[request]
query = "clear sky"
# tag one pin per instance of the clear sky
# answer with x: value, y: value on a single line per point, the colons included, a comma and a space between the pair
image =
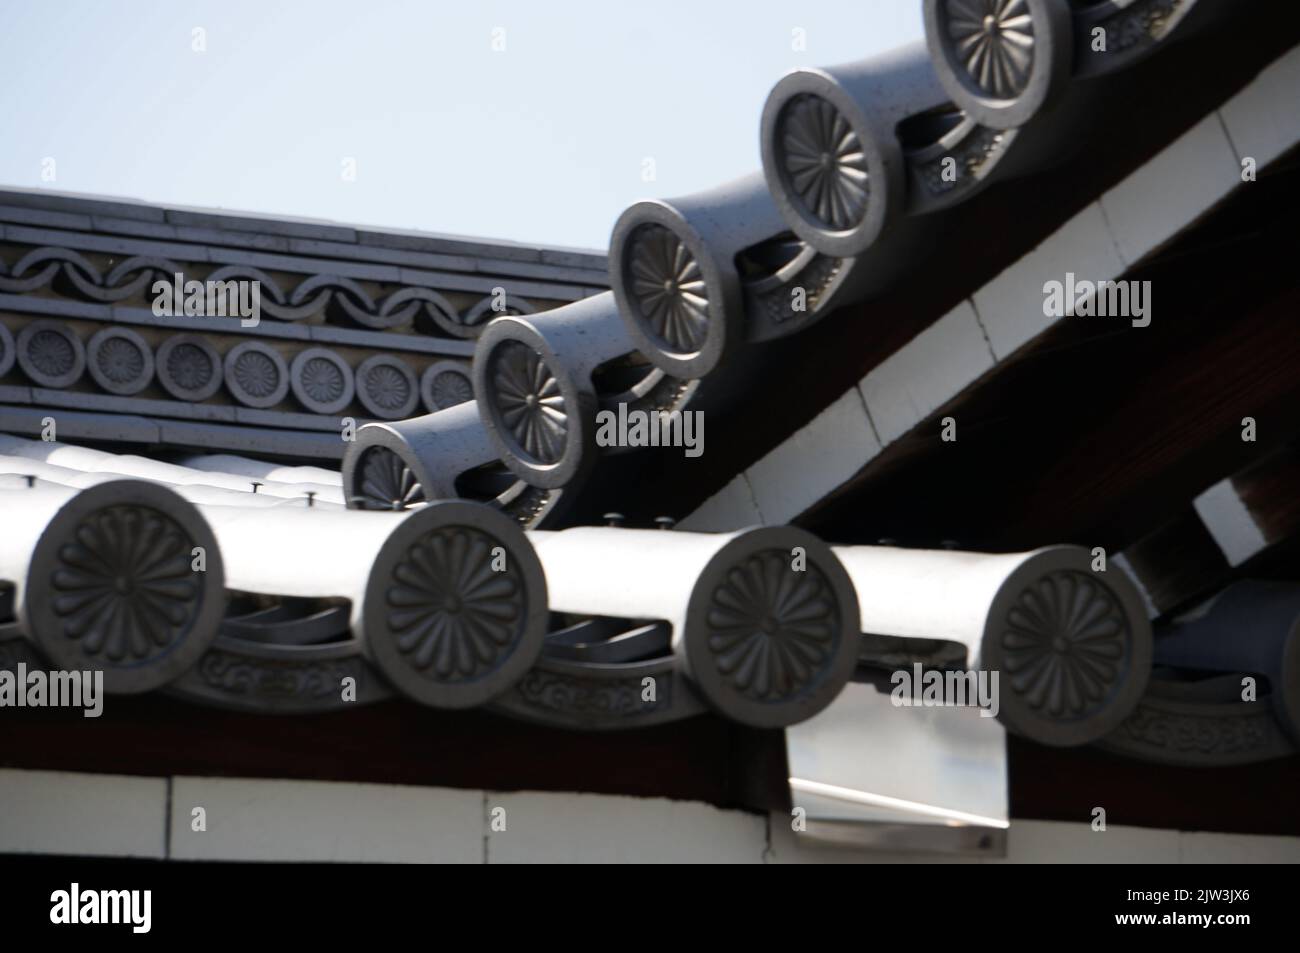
x: 543, y: 141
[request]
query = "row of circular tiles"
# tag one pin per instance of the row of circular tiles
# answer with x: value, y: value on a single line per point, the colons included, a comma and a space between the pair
x: 453, y: 603
x: 188, y: 367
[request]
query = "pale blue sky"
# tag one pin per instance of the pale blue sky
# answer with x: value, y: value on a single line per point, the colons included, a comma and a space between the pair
x: 543, y: 142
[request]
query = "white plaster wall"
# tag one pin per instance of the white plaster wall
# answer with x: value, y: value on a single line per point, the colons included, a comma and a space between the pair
x: 49, y: 812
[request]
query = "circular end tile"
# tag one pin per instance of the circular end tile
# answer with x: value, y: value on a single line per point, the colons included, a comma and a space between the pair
x: 836, y: 177
x: 321, y: 380
x: 670, y: 292
x: 188, y: 367
x: 767, y: 643
x: 50, y: 354
x: 1072, y: 648
x: 456, y: 605
x: 378, y: 478
x: 445, y: 384
x: 256, y: 375
x: 533, y: 410
x: 7, y: 350
x: 112, y: 585
x: 1002, y: 61
x: 387, y: 387
x: 120, y: 361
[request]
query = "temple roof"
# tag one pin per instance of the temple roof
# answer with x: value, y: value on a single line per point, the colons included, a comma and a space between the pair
x: 397, y: 477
